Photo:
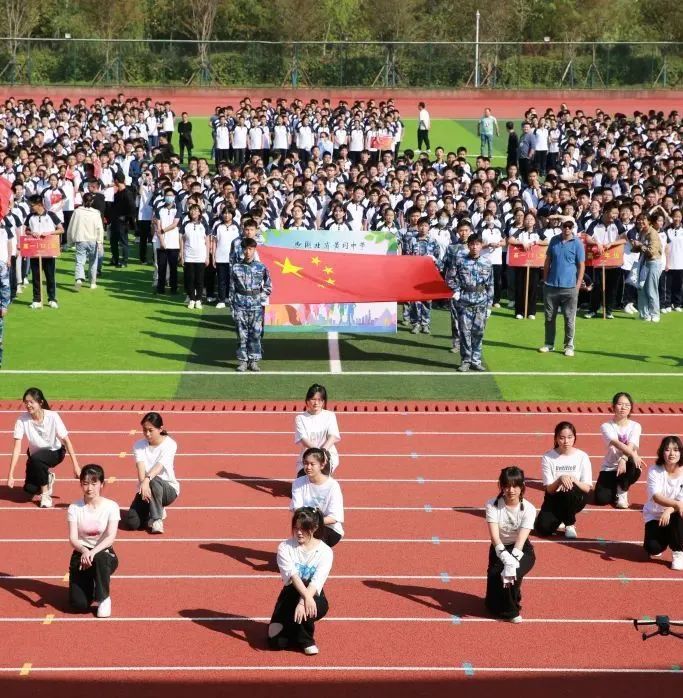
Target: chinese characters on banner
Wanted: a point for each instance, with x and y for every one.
(45, 246)
(614, 257)
(533, 257)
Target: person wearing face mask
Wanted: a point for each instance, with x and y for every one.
(167, 234)
(441, 233)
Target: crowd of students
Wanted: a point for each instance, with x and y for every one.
(305, 559)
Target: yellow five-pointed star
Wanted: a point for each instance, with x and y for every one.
(330, 281)
(315, 260)
(328, 270)
(289, 268)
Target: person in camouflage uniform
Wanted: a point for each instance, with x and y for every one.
(250, 286)
(457, 249)
(4, 298)
(423, 246)
(405, 238)
(471, 280)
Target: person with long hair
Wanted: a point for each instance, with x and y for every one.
(316, 427)
(157, 483)
(511, 556)
(48, 443)
(93, 523)
(622, 464)
(567, 478)
(317, 488)
(305, 563)
(663, 512)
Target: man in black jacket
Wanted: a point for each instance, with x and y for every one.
(185, 136)
(122, 209)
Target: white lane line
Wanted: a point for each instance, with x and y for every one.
(414, 455)
(409, 433)
(334, 351)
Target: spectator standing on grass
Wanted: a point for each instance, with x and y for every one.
(526, 151)
(305, 563)
(513, 145)
(93, 523)
(423, 125)
(86, 232)
(567, 479)
(423, 246)
(157, 483)
(663, 512)
(194, 234)
(674, 258)
(122, 210)
(510, 520)
(486, 126)
(185, 136)
(563, 270)
(41, 223)
(622, 464)
(526, 238)
(167, 234)
(649, 268)
(317, 427)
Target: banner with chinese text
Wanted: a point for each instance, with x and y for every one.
(533, 257)
(45, 246)
(614, 257)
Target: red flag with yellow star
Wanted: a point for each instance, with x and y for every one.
(313, 276)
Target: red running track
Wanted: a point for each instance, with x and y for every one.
(406, 592)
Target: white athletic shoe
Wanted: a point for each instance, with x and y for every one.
(677, 560)
(190, 305)
(532, 317)
(570, 532)
(53, 304)
(45, 501)
(36, 304)
(655, 318)
(630, 309)
(311, 650)
(78, 283)
(93, 285)
(198, 305)
(569, 351)
(104, 609)
(519, 317)
(220, 305)
(50, 483)
(621, 501)
(546, 348)
(515, 620)
(157, 526)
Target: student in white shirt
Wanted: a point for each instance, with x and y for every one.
(158, 486)
(222, 237)
(48, 441)
(317, 427)
(194, 234)
(622, 464)
(305, 563)
(567, 479)
(663, 513)
(511, 555)
(93, 522)
(674, 259)
(167, 235)
(317, 489)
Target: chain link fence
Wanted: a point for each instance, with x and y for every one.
(341, 64)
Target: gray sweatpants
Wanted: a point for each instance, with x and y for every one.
(553, 298)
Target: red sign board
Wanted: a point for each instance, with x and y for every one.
(614, 257)
(382, 142)
(533, 257)
(44, 246)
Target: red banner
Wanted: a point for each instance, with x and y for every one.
(614, 257)
(45, 246)
(382, 142)
(533, 257)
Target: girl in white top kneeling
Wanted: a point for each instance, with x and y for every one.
(511, 555)
(318, 489)
(317, 427)
(93, 522)
(158, 486)
(663, 512)
(305, 563)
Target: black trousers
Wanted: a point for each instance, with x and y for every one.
(665, 289)
(497, 281)
(659, 538)
(611, 282)
(520, 284)
(607, 482)
(422, 139)
(13, 277)
(185, 144)
(118, 240)
(676, 279)
(559, 508)
(167, 259)
(506, 602)
(524, 167)
(300, 634)
(92, 583)
(38, 467)
(144, 229)
(222, 155)
(48, 273)
(239, 155)
(194, 279)
(223, 275)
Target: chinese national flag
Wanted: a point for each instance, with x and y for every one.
(315, 276)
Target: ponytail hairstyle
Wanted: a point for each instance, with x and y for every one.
(37, 395)
(309, 519)
(561, 426)
(92, 471)
(618, 396)
(321, 455)
(512, 476)
(317, 389)
(154, 418)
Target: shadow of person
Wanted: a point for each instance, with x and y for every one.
(608, 550)
(443, 599)
(247, 556)
(267, 485)
(38, 593)
(239, 627)
(14, 494)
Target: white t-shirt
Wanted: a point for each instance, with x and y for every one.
(164, 453)
(510, 519)
(576, 465)
(315, 428)
(629, 434)
(492, 236)
(326, 497)
(659, 482)
(676, 249)
(312, 566)
(46, 434)
(225, 234)
(92, 522)
(195, 249)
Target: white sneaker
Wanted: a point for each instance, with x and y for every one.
(531, 317)
(569, 351)
(621, 501)
(496, 305)
(220, 305)
(104, 609)
(677, 560)
(630, 309)
(45, 501)
(36, 304)
(53, 304)
(78, 283)
(655, 318)
(311, 650)
(590, 315)
(679, 310)
(647, 318)
(546, 348)
(164, 515)
(210, 299)
(50, 483)
(515, 620)
(93, 285)
(198, 305)
(561, 527)
(190, 305)
(519, 317)
(157, 526)
(570, 532)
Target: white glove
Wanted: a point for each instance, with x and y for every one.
(509, 572)
(508, 561)
(517, 554)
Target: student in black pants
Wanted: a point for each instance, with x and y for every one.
(305, 563)
(567, 479)
(511, 555)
